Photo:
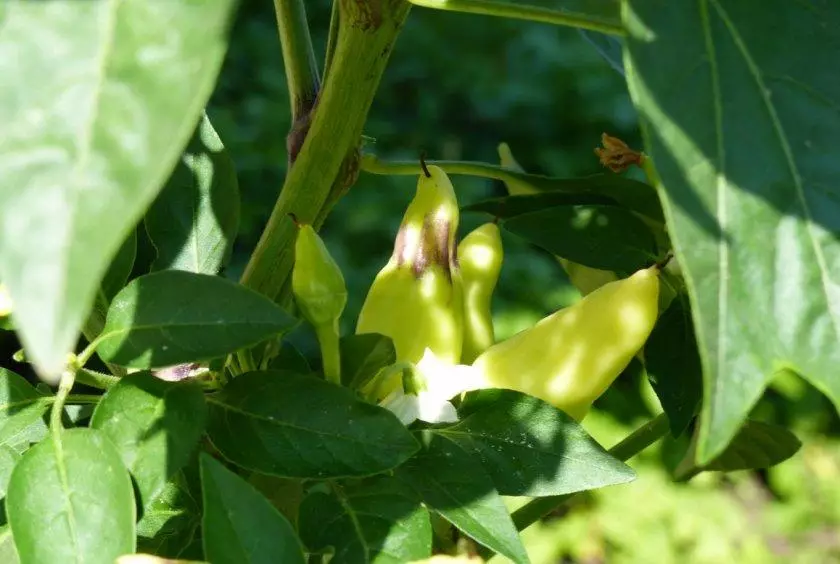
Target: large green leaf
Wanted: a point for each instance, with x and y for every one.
(530, 448)
(21, 407)
(452, 482)
(241, 526)
(155, 425)
(286, 424)
(757, 445)
(379, 520)
(173, 317)
(100, 98)
(194, 219)
(73, 489)
(743, 132)
(673, 366)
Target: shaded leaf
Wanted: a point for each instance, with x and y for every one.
(516, 204)
(530, 448)
(297, 426)
(242, 526)
(453, 483)
(673, 366)
(608, 46)
(744, 138)
(21, 407)
(155, 425)
(100, 97)
(598, 236)
(380, 520)
(291, 359)
(757, 445)
(8, 459)
(74, 490)
(171, 521)
(363, 356)
(628, 193)
(121, 266)
(174, 317)
(194, 219)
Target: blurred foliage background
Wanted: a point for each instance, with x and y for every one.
(456, 86)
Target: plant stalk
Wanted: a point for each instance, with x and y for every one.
(515, 10)
(328, 340)
(366, 35)
(302, 77)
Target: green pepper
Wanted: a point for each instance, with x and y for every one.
(321, 295)
(571, 357)
(480, 257)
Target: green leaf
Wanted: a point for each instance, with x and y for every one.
(608, 46)
(598, 236)
(757, 445)
(174, 317)
(744, 134)
(530, 448)
(291, 359)
(171, 521)
(74, 490)
(511, 206)
(194, 219)
(155, 425)
(21, 407)
(8, 552)
(377, 521)
(8, 459)
(100, 97)
(121, 265)
(363, 356)
(452, 482)
(673, 366)
(296, 426)
(241, 525)
(628, 193)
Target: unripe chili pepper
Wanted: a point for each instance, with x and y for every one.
(571, 357)
(416, 299)
(480, 257)
(321, 295)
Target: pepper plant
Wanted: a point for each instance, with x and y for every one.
(175, 420)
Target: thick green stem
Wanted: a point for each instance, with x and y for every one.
(516, 10)
(328, 340)
(302, 77)
(633, 444)
(373, 165)
(366, 35)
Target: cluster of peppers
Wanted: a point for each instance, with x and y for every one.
(433, 300)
